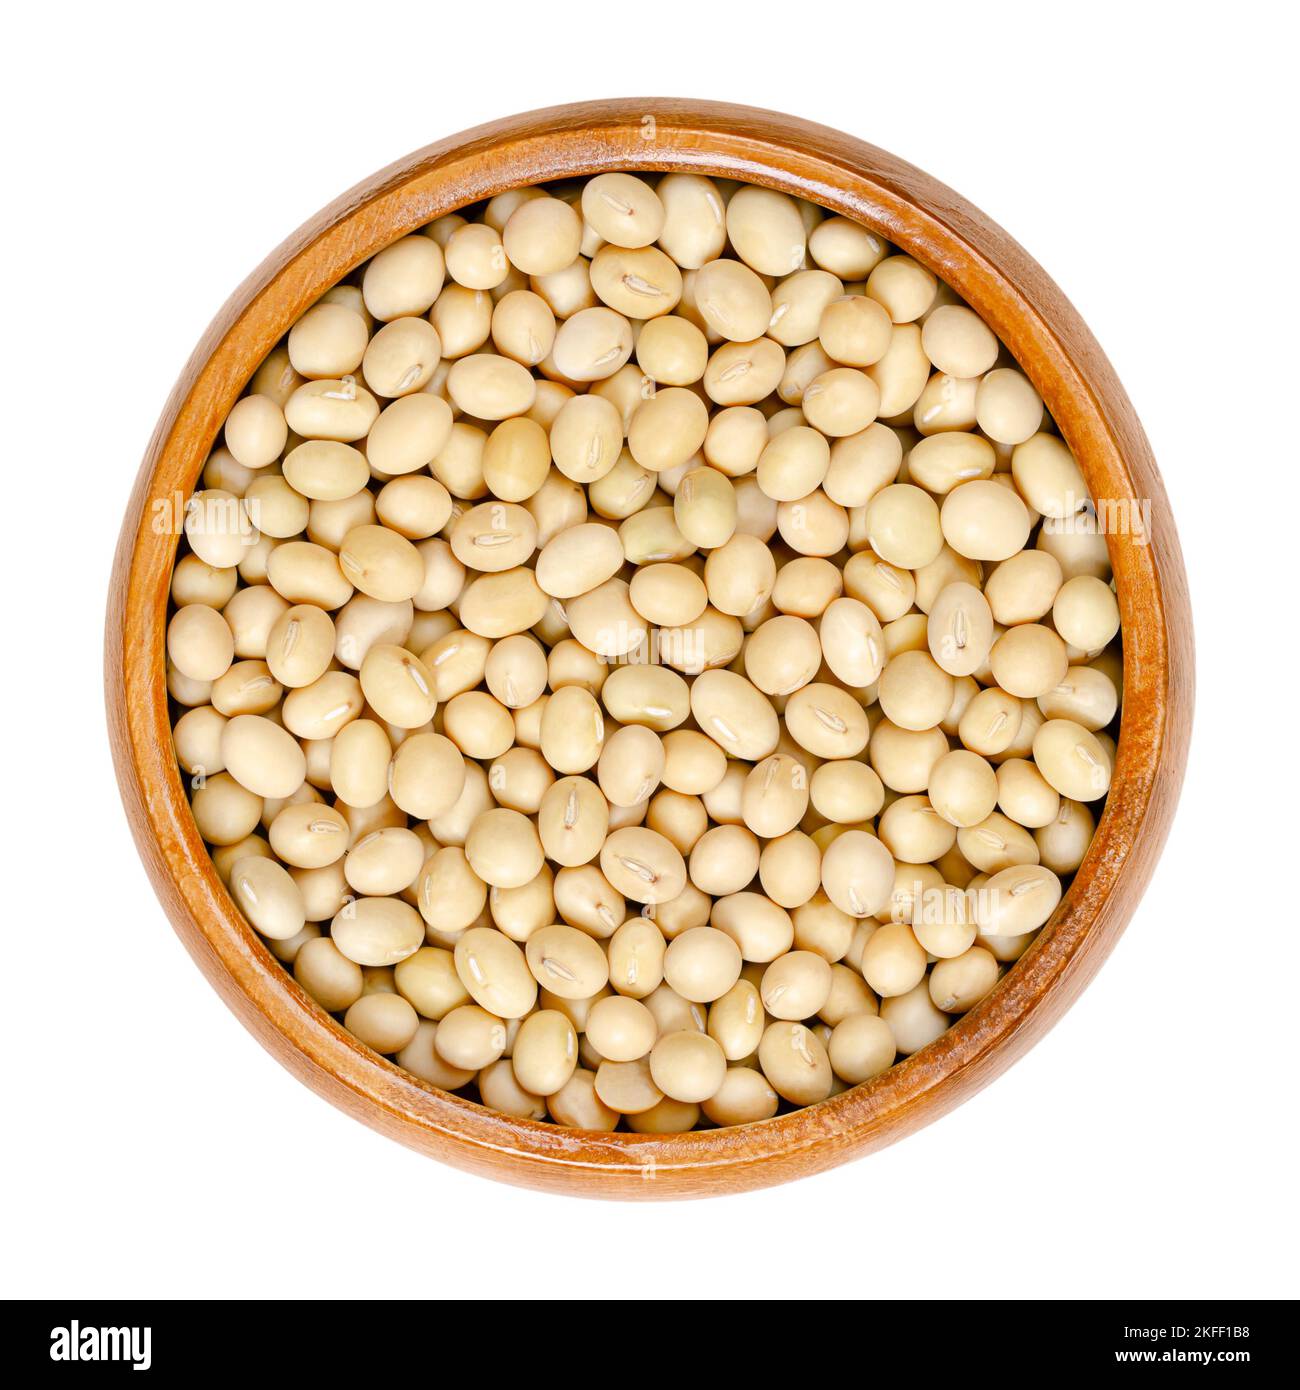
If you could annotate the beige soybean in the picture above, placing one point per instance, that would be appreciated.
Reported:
(218, 528)
(1029, 660)
(845, 248)
(200, 642)
(702, 964)
(523, 327)
(493, 969)
(842, 401)
(332, 408)
(744, 373)
(478, 724)
(855, 330)
(667, 429)
(499, 605)
(963, 788)
(592, 344)
(226, 813)
(862, 464)
(904, 527)
(449, 894)
(490, 387)
(622, 209)
(990, 722)
(960, 629)
(268, 897)
(672, 351)
(984, 521)
(404, 278)
(500, 1090)
(693, 229)
(733, 301)
(256, 431)
(704, 508)
(744, 1097)
(494, 537)
(687, 1065)
(1063, 842)
(377, 931)
(380, 563)
(783, 655)
(1048, 477)
(572, 821)
(402, 357)
(915, 692)
(329, 340)
(827, 721)
(794, 1060)
(795, 985)
(1072, 760)
(959, 983)
(427, 774)
(761, 929)
(735, 714)
(578, 560)
(545, 1052)
(775, 796)
(630, 765)
(415, 506)
(1085, 695)
(996, 843)
(567, 962)
(428, 980)
(740, 575)
(643, 865)
(470, 1038)
(958, 341)
(1007, 408)
(1018, 899)
(640, 283)
(766, 230)
(902, 373)
(650, 695)
(947, 403)
(303, 572)
(736, 1021)
(1085, 612)
(246, 688)
(903, 287)
(385, 1022)
(806, 587)
(304, 835)
(398, 686)
(503, 848)
(857, 873)
(888, 590)
(846, 791)
(945, 461)
(331, 979)
(621, 1029)
(636, 958)
(893, 961)
(861, 1046)
(262, 756)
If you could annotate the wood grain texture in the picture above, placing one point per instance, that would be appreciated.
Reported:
(1043, 331)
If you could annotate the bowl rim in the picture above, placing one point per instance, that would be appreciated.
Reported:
(1043, 332)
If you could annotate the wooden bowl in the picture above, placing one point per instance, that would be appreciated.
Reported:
(1045, 334)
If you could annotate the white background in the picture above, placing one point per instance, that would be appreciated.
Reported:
(1145, 155)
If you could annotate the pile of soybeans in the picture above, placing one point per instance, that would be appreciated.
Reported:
(643, 655)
